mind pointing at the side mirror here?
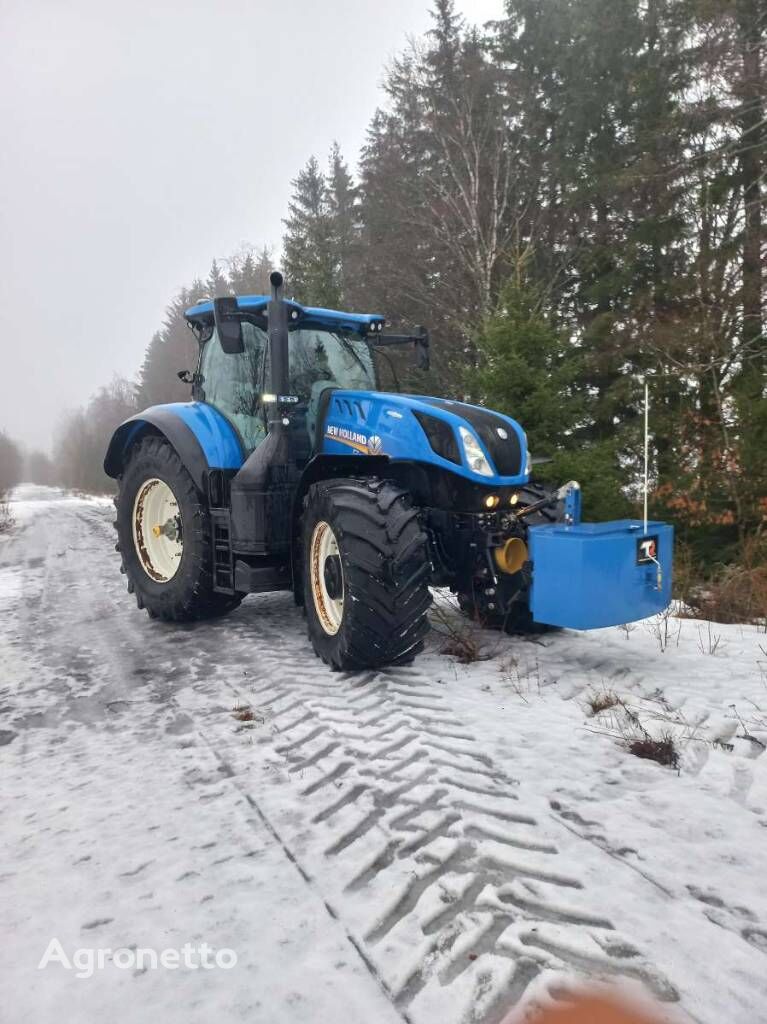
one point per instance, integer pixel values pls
(423, 360)
(419, 341)
(228, 325)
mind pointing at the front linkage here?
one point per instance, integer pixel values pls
(483, 557)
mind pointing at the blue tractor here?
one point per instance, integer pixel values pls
(290, 470)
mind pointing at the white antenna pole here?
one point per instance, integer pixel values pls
(646, 446)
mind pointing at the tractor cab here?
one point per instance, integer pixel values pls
(326, 351)
(238, 384)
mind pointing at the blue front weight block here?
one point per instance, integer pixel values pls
(600, 574)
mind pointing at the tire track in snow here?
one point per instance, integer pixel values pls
(445, 883)
(422, 844)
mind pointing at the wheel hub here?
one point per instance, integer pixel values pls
(157, 530)
(327, 578)
(334, 583)
(170, 529)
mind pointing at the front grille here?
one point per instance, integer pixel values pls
(506, 453)
(441, 436)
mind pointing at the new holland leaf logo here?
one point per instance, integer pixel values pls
(372, 445)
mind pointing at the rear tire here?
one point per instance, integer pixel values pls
(184, 592)
(366, 573)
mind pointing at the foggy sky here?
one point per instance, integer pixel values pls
(142, 138)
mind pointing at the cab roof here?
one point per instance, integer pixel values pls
(303, 316)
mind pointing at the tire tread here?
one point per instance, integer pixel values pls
(197, 600)
(386, 571)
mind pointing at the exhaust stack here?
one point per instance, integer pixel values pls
(277, 314)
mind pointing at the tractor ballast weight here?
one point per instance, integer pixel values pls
(358, 500)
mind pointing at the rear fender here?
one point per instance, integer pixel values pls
(202, 438)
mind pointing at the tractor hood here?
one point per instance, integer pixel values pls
(482, 446)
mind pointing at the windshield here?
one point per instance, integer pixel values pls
(235, 382)
(342, 358)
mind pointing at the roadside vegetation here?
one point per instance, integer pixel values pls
(722, 592)
(6, 519)
(640, 719)
(10, 475)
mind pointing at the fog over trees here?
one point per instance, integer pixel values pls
(10, 475)
(571, 199)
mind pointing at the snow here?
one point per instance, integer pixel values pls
(444, 843)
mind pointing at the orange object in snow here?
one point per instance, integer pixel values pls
(594, 1010)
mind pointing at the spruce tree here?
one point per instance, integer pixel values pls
(11, 464)
(308, 240)
(342, 212)
(171, 349)
(249, 271)
(216, 284)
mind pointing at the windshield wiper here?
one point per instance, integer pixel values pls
(355, 355)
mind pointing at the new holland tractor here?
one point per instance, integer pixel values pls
(290, 470)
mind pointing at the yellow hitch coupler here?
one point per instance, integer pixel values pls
(511, 556)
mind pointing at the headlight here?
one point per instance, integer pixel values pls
(474, 454)
(528, 464)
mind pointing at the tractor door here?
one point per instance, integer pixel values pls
(323, 361)
(234, 384)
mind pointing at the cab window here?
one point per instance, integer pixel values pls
(234, 383)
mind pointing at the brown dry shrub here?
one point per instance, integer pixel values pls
(687, 574)
(602, 701)
(460, 639)
(736, 594)
(663, 750)
(6, 519)
(463, 647)
(243, 713)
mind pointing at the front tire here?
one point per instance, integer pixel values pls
(366, 572)
(164, 537)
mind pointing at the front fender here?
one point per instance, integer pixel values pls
(200, 435)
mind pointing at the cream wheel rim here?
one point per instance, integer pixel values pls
(157, 530)
(327, 577)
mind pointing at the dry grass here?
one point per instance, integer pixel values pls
(665, 627)
(735, 593)
(626, 723)
(662, 750)
(602, 701)
(244, 713)
(627, 628)
(6, 519)
(757, 720)
(525, 680)
(708, 641)
(460, 638)
(464, 648)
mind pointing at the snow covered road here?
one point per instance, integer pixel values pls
(445, 843)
